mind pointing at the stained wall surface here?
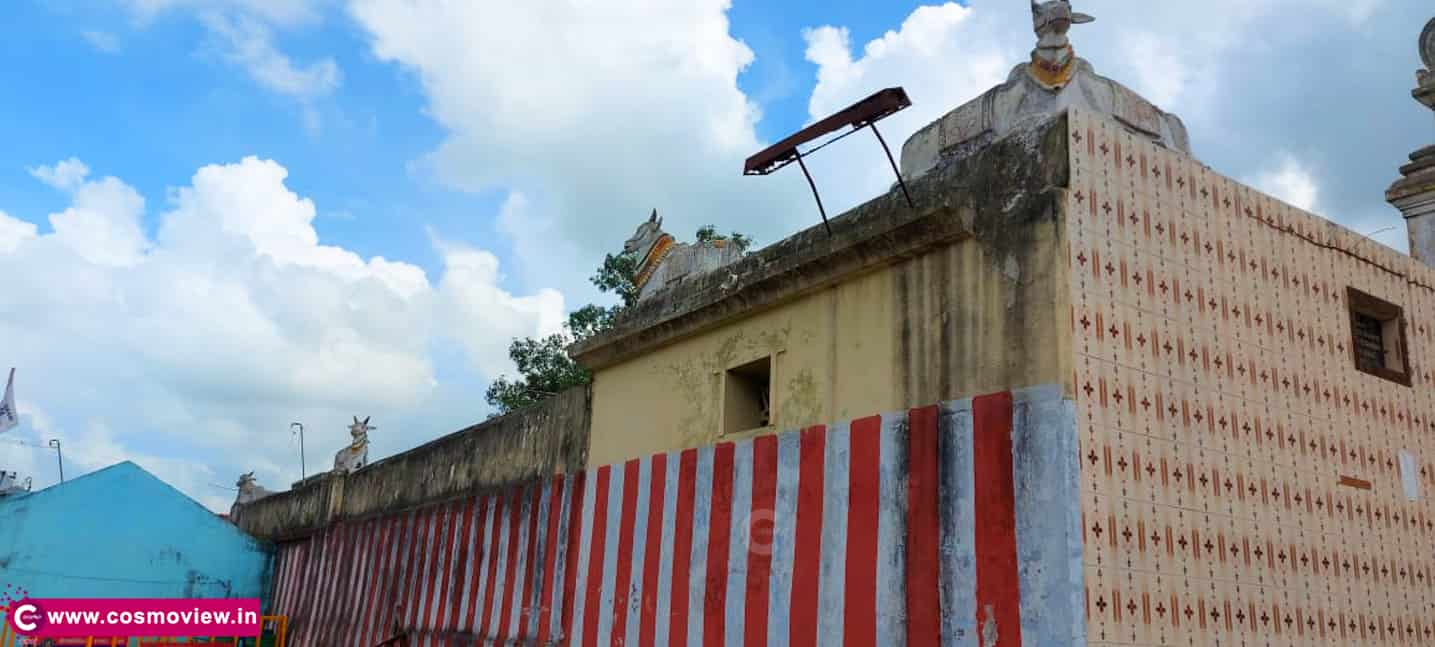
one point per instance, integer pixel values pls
(861, 533)
(1219, 409)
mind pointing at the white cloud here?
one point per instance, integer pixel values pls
(247, 42)
(285, 13)
(244, 33)
(192, 349)
(63, 175)
(1291, 181)
(595, 112)
(103, 41)
(14, 232)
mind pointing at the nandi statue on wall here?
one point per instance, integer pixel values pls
(356, 455)
(249, 489)
(1053, 80)
(662, 261)
(249, 492)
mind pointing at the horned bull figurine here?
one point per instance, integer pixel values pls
(356, 455)
(1053, 60)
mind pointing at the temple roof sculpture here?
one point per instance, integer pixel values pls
(662, 261)
(1052, 81)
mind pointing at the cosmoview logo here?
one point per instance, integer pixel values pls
(26, 617)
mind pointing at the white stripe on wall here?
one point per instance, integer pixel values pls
(560, 562)
(610, 555)
(517, 595)
(958, 579)
(831, 586)
(533, 607)
(892, 533)
(584, 554)
(784, 538)
(665, 556)
(702, 515)
(634, 594)
(738, 536)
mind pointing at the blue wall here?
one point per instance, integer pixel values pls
(123, 533)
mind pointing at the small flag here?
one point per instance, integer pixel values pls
(9, 418)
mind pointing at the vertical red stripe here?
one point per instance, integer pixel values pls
(864, 501)
(413, 603)
(485, 625)
(435, 554)
(479, 559)
(575, 534)
(624, 574)
(343, 552)
(526, 587)
(550, 561)
(807, 556)
(647, 623)
(384, 575)
(598, 549)
(445, 579)
(719, 532)
(924, 530)
(510, 574)
(338, 591)
(460, 570)
(363, 610)
(998, 597)
(682, 548)
(760, 532)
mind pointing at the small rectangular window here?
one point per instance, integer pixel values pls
(747, 397)
(1377, 330)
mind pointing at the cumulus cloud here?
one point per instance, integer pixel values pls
(595, 113)
(194, 347)
(1247, 80)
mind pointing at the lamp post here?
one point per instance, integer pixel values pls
(303, 472)
(59, 457)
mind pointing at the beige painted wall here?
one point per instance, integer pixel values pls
(972, 317)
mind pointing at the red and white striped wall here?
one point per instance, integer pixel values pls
(954, 525)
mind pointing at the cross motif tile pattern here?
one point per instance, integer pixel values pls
(1219, 409)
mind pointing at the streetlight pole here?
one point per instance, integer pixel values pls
(59, 457)
(303, 472)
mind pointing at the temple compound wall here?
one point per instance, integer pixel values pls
(1242, 480)
(864, 532)
(1129, 401)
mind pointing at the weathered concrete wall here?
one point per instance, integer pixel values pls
(122, 533)
(935, 526)
(1243, 482)
(524, 446)
(966, 293)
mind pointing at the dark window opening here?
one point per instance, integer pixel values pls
(1378, 343)
(747, 397)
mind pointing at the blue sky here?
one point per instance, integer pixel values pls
(195, 195)
(161, 106)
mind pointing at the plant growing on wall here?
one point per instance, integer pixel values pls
(544, 368)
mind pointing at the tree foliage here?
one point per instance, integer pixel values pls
(544, 368)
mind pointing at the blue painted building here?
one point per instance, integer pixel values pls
(121, 532)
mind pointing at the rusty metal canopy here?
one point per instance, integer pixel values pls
(865, 112)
